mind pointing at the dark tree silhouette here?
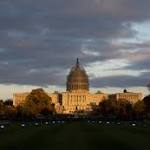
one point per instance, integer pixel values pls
(146, 101)
(8, 102)
(38, 102)
(115, 108)
(148, 86)
(139, 109)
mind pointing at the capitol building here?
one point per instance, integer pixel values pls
(77, 96)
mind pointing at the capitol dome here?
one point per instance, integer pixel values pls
(77, 79)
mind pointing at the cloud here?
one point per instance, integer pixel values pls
(41, 39)
(123, 81)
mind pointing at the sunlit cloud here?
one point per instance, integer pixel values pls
(112, 68)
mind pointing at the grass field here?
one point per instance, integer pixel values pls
(75, 136)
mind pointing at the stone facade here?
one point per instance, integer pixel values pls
(69, 102)
(77, 96)
(19, 98)
(78, 101)
(130, 96)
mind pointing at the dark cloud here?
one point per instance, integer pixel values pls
(122, 81)
(40, 39)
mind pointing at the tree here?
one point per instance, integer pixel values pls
(8, 102)
(7, 110)
(125, 109)
(116, 108)
(148, 86)
(139, 108)
(10, 111)
(108, 107)
(2, 111)
(38, 102)
(146, 101)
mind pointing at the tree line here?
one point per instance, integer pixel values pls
(38, 104)
(123, 109)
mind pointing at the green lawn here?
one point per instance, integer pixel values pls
(75, 136)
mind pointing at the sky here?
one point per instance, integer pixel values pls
(41, 39)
